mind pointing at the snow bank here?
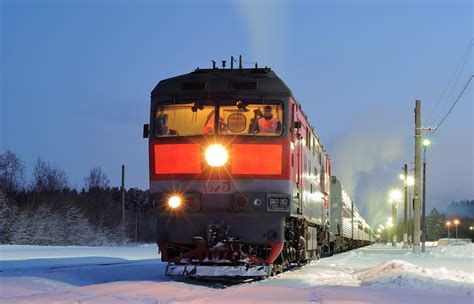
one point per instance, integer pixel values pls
(455, 250)
(25, 252)
(402, 273)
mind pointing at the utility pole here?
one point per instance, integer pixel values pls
(423, 222)
(123, 194)
(416, 212)
(405, 209)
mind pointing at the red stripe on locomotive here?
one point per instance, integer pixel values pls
(256, 159)
(177, 158)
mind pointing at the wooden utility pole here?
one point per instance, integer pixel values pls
(405, 207)
(423, 214)
(123, 194)
(416, 212)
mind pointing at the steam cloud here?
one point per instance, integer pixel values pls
(365, 159)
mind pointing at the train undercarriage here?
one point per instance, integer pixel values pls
(219, 255)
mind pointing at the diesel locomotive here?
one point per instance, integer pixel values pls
(239, 179)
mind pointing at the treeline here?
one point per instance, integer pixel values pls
(436, 227)
(464, 208)
(45, 210)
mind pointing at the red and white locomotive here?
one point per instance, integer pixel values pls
(238, 176)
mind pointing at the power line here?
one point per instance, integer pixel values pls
(458, 71)
(454, 104)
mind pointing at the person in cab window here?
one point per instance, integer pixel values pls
(161, 122)
(209, 124)
(268, 123)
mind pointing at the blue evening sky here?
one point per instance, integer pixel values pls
(76, 78)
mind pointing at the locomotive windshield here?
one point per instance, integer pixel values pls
(184, 120)
(251, 119)
(197, 118)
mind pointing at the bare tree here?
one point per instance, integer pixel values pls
(96, 179)
(12, 172)
(47, 178)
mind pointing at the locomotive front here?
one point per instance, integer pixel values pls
(220, 178)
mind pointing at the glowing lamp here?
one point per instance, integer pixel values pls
(174, 201)
(410, 181)
(395, 195)
(216, 155)
(426, 142)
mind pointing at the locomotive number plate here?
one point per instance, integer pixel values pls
(216, 187)
(278, 203)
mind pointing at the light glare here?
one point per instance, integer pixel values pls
(216, 155)
(395, 195)
(174, 201)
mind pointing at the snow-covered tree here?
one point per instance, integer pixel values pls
(7, 216)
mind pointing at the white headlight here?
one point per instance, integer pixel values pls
(174, 201)
(216, 155)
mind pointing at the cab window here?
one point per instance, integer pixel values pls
(251, 119)
(184, 120)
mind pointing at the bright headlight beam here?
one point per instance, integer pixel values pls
(174, 201)
(216, 155)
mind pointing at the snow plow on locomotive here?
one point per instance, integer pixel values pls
(238, 177)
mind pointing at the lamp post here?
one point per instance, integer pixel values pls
(403, 177)
(456, 223)
(389, 225)
(448, 224)
(410, 183)
(426, 143)
(395, 197)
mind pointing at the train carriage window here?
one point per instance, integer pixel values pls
(184, 119)
(251, 119)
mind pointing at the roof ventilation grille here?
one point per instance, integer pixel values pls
(194, 86)
(244, 85)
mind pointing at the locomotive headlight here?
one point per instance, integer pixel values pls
(216, 155)
(174, 201)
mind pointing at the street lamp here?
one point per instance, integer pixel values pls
(448, 224)
(408, 181)
(395, 197)
(456, 223)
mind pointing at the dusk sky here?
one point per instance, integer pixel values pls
(76, 78)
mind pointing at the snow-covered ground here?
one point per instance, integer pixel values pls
(374, 274)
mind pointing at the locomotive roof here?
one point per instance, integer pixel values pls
(259, 81)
